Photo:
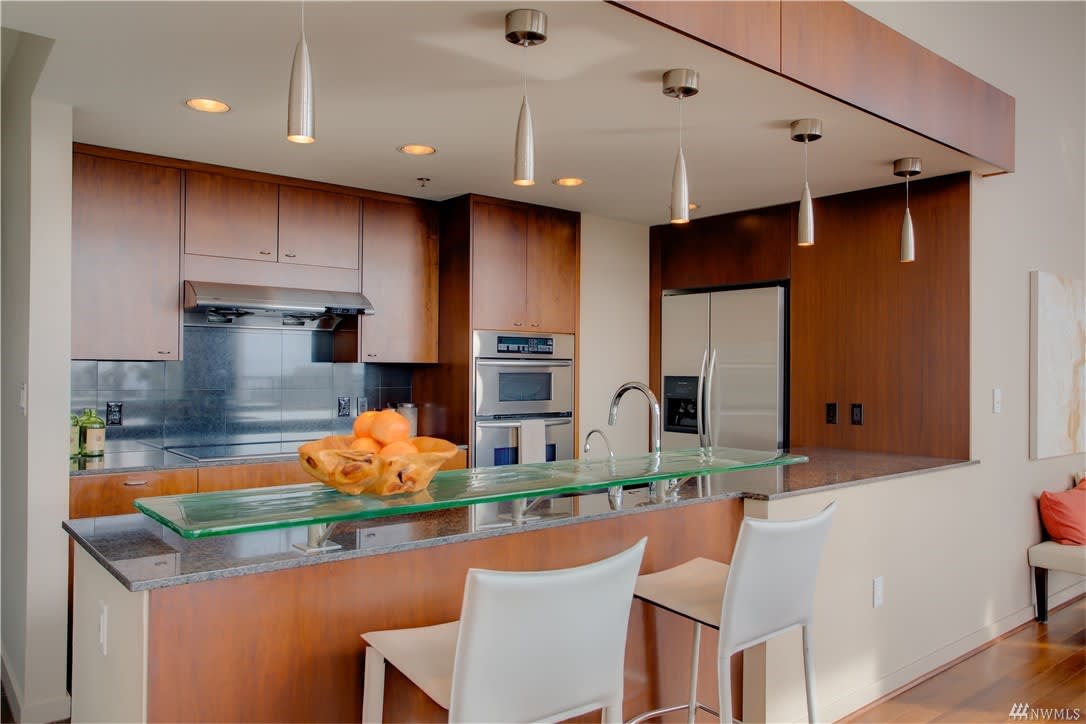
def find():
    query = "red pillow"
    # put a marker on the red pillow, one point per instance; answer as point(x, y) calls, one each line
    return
point(1064, 515)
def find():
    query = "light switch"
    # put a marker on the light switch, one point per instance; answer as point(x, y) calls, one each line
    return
point(997, 400)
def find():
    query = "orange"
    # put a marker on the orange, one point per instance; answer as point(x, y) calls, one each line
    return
point(366, 444)
point(390, 426)
point(396, 449)
point(363, 422)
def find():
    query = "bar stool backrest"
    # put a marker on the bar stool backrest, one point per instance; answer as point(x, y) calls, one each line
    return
point(544, 646)
point(771, 581)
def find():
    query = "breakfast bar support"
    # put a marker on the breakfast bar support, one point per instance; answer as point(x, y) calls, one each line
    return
point(317, 539)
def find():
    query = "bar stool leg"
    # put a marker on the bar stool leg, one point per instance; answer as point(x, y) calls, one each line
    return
point(373, 687)
point(808, 672)
point(692, 707)
point(724, 685)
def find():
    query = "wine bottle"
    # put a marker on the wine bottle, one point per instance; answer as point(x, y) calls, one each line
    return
point(92, 434)
point(73, 437)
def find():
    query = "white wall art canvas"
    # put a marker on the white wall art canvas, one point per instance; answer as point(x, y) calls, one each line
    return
point(1057, 365)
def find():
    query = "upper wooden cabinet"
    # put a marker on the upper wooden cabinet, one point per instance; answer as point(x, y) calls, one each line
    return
point(239, 218)
point(126, 239)
point(399, 275)
point(230, 216)
point(524, 268)
point(318, 228)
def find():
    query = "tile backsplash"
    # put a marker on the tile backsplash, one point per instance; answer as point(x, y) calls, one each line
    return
point(236, 386)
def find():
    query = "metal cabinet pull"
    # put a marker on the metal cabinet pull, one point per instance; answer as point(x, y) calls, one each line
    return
point(535, 324)
point(165, 351)
point(290, 256)
point(518, 324)
point(371, 355)
point(266, 253)
point(134, 483)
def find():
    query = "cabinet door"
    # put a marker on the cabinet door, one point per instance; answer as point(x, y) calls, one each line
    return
point(552, 271)
point(318, 228)
point(126, 237)
point(90, 496)
point(498, 266)
point(231, 217)
point(399, 275)
point(250, 475)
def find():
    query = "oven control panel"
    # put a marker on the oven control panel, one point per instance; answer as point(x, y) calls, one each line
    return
point(515, 344)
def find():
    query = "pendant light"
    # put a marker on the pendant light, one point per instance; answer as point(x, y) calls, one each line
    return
point(907, 167)
point(804, 131)
point(300, 100)
point(680, 83)
point(525, 28)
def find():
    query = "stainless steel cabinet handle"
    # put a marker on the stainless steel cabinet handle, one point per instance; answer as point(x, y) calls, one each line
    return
point(488, 362)
point(266, 253)
point(518, 324)
point(371, 355)
point(709, 432)
point(516, 423)
point(290, 256)
point(701, 399)
point(164, 351)
point(535, 324)
point(134, 483)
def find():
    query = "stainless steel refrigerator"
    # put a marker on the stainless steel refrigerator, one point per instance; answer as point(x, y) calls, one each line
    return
point(723, 358)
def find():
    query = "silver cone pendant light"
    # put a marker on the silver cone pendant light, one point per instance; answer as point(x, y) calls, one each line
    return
point(805, 130)
point(680, 83)
point(907, 167)
point(525, 28)
point(300, 99)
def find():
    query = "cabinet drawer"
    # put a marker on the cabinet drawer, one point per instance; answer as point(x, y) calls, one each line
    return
point(90, 496)
point(254, 475)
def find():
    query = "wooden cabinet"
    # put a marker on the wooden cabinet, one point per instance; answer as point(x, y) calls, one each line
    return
point(318, 228)
point(238, 218)
point(231, 217)
point(400, 277)
point(126, 236)
point(524, 268)
point(90, 496)
point(251, 475)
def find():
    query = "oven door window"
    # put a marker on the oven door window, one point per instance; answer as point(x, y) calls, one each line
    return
point(524, 386)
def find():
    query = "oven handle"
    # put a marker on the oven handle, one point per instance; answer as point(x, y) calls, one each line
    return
point(487, 362)
point(516, 423)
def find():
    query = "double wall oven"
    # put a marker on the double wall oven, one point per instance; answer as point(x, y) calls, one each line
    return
point(523, 388)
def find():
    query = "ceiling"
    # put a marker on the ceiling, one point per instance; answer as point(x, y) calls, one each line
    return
point(441, 73)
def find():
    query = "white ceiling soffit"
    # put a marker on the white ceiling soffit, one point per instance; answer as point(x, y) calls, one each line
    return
point(441, 73)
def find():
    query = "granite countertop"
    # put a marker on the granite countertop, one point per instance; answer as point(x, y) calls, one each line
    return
point(143, 555)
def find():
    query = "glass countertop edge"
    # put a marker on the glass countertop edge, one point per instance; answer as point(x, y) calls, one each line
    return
point(210, 529)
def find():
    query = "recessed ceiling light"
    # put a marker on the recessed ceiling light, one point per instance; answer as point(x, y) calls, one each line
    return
point(207, 105)
point(568, 181)
point(416, 149)
point(693, 205)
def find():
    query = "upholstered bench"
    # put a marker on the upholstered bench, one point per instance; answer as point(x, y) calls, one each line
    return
point(1053, 556)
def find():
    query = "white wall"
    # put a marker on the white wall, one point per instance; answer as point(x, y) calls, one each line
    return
point(952, 546)
point(36, 294)
point(614, 343)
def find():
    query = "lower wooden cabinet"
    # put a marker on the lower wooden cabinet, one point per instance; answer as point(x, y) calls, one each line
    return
point(253, 475)
point(90, 496)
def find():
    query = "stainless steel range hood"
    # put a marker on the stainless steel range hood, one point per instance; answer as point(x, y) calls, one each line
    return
point(217, 303)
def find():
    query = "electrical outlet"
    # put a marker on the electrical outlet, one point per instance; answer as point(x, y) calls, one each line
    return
point(343, 407)
point(114, 413)
point(876, 592)
point(857, 413)
point(997, 400)
point(103, 628)
point(363, 405)
point(831, 413)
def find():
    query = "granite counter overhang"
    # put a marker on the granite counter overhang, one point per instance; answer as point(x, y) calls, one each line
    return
point(144, 555)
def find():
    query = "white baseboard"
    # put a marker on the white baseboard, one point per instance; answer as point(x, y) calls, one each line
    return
point(42, 711)
point(864, 695)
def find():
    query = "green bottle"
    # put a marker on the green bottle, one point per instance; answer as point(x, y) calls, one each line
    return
point(73, 437)
point(92, 434)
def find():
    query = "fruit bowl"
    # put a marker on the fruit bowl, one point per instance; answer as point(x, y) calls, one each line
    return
point(332, 461)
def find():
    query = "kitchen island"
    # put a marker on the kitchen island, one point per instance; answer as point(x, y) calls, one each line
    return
point(245, 627)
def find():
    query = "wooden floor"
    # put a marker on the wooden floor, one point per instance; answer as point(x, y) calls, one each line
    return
point(1041, 666)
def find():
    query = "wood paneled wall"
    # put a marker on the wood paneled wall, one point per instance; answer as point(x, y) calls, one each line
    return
point(863, 326)
point(868, 329)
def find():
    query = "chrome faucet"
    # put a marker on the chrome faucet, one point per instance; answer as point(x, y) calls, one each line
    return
point(657, 491)
point(614, 493)
point(654, 408)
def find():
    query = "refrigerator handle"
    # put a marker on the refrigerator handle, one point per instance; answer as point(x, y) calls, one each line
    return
point(709, 436)
point(700, 407)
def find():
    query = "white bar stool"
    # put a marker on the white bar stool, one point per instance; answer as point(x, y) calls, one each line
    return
point(529, 646)
point(768, 589)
